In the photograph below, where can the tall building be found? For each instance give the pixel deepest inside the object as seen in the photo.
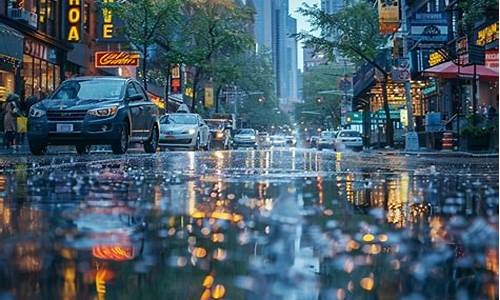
(332, 6)
(274, 28)
(263, 24)
(313, 58)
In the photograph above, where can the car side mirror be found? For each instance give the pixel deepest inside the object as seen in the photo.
(135, 97)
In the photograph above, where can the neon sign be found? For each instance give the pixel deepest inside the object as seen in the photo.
(74, 19)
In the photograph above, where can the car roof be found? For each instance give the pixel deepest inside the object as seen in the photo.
(117, 78)
(183, 114)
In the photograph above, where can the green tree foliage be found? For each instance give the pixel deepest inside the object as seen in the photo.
(352, 30)
(145, 21)
(477, 10)
(316, 107)
(253, 74)
(212, 31)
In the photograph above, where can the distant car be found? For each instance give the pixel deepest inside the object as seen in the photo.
(349, 139)
(220, 131)
(87, 111)
(278, 141)
(291, 140)
(184, 130)
(246, 137)
(326, 140)
(264, 139)
(313, 141)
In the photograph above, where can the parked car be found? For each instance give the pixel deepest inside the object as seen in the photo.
(326, 140)
(87, 111)
(291, 140)
(349, 139)
(264, 139)
(184, 130)
(278, 141)
(246, 137)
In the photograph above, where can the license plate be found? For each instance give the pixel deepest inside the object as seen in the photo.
(64, 127)
(170, 137)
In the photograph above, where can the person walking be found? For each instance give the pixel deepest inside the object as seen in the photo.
(10, 120)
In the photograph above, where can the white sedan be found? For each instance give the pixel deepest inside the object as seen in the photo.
(184, 130)
(348, 139)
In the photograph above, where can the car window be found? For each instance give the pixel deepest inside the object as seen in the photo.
(131, 90)
(179, 119)
(350, 134)
(245, 131)
(89, 89)
(327, 134)
(140, 90)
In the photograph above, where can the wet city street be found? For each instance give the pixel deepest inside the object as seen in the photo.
(266, 224)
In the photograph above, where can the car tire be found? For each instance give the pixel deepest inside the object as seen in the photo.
(197, 144)
(37, 148)
(82, 149)
(208, 145)
(120, 145)
(151, 144)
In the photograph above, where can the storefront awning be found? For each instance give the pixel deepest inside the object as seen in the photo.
(12, 42)
(450, 70)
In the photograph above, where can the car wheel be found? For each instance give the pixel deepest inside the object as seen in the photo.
(82, 149)
(120, 146)
(151, 144)
(197, 145)
(37, 148)
(208, 145)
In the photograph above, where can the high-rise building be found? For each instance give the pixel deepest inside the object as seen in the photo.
(274, 28)
(332, 6)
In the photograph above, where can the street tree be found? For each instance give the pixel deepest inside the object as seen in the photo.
(475, 11)
(317, 107)
(253, 74)
(212, 31)
(145, 21)
(354, 31)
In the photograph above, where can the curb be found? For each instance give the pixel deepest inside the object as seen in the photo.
(442, 154)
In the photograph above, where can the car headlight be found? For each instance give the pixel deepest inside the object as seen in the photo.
(37, 113)
(191, 131)
(252, 137)
(103, 112)
(219, 135)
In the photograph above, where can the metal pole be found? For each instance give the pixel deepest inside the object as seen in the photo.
(411, 141)
(474, 96)
(459, 104)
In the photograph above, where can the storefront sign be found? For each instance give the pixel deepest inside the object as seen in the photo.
(36, 49)
(429, 33)
(388, 11)
(175, 79)
(107, 21)
(401, 70)
(112, 59)
(435, 58)
(487, 35)
(74, 18)
(491, 58)
(430, 89)
(209, 96)
(462, 51)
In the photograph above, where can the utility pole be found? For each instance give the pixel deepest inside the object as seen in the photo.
(411, 140)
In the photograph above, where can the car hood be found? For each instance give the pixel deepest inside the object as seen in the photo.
(76, 104)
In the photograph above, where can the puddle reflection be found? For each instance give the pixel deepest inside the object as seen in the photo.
(268, 224)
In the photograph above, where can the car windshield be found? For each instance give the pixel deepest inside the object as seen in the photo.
(89, 89)
(350, 134)
(278, 137)
(179, 119)
(216, 124)
(246, 131)
(327, 134)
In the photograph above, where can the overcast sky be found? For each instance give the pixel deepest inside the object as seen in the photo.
(301, 24)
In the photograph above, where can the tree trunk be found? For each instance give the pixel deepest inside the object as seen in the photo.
(167, 86)
(389, 129)
(217, 99)
(195, 90)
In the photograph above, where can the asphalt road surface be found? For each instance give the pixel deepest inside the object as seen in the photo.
(267, 224)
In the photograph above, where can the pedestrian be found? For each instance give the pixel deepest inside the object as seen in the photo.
(10, 120)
